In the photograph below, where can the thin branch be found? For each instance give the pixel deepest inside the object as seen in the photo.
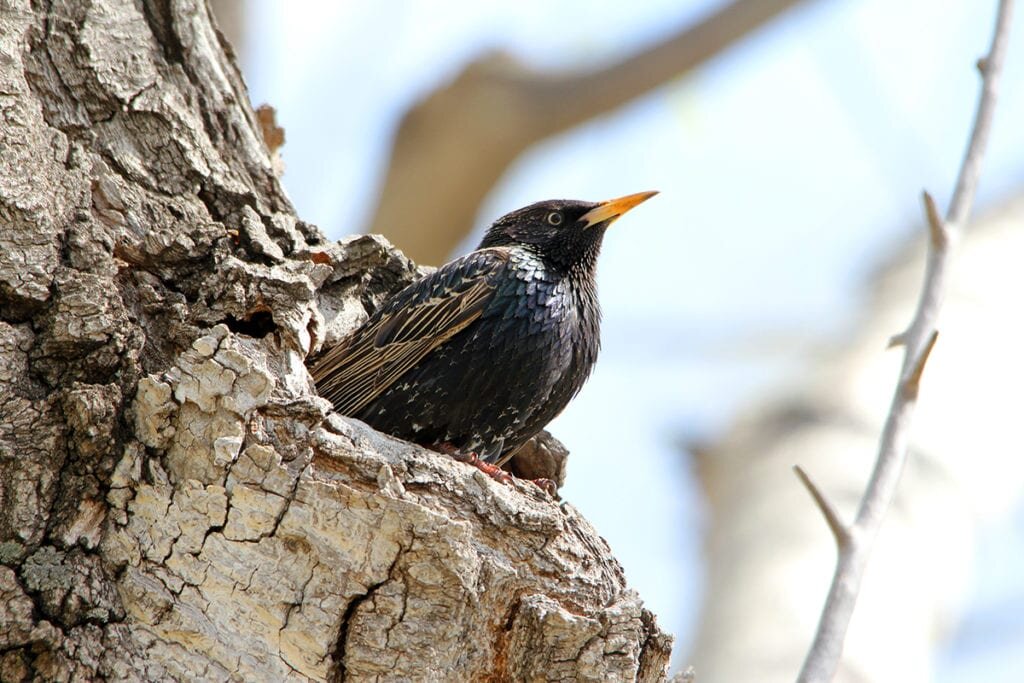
(898, 339)
(839, 530)
(823, 657)
(913, 383)
(936, 226)
(990, 68)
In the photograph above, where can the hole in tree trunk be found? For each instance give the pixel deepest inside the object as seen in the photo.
(259, 323)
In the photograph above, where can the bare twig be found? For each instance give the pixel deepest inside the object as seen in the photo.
(936, 226)
(854, 542)
(913, 383)
(898, 339)
(839, 530)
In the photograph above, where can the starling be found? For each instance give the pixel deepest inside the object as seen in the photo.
(476, 358)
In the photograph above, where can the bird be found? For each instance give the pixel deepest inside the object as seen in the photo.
(477, 357)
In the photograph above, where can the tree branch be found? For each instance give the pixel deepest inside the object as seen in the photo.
(454, 146)
(828, 511)
(823, 657)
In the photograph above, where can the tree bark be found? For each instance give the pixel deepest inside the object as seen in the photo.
(175, 501)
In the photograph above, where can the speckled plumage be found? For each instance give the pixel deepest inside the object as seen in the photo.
(481, 354)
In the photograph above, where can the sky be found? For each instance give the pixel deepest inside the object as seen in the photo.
(846, 109)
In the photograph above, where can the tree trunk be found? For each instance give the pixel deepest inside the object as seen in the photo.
(175, 501)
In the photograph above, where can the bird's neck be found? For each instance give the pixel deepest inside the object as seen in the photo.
(577, 266)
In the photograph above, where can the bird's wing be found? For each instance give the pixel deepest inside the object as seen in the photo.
(411, 324)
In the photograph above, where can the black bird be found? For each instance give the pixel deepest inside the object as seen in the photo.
(477, 357)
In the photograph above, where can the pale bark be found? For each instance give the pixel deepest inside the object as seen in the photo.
(175, 502)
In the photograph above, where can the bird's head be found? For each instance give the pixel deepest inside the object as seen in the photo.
(564, 232)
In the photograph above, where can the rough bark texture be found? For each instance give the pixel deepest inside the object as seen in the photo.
(175, 502)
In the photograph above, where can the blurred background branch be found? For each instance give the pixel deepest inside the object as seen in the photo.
(453, 147)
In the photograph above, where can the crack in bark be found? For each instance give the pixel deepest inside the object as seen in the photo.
(338, 654)
(159, 16)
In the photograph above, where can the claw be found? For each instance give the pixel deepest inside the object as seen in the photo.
(547, 486)
(492, 471)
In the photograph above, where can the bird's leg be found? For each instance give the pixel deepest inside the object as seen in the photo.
(492, 471)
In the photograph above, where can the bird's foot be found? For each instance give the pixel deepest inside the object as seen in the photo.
(491, 470)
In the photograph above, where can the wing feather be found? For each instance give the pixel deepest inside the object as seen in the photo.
(407, 327)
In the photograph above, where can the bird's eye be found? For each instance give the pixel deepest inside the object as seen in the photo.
(555, 218)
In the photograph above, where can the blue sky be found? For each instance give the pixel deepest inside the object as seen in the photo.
(789, 166)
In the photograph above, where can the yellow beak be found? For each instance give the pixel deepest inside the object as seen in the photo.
(613, 208)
